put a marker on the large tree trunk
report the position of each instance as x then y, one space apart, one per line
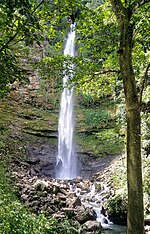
135 217
134 173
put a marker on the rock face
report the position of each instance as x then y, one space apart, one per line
42 152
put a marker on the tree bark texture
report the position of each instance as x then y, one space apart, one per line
135 217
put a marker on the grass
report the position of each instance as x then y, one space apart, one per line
104 142
96 127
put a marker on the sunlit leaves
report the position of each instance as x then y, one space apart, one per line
97 39
98 44
18 22
9 70
141 40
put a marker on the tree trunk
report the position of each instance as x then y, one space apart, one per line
135 217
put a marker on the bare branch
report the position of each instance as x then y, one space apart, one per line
37 6
143 82
93 76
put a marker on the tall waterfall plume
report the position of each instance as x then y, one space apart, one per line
66 163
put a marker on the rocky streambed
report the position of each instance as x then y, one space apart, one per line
80 201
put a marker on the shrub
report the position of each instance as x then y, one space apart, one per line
95 118
117 209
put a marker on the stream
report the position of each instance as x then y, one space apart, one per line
115 229
95 199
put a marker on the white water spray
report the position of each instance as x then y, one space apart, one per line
93 198
66 161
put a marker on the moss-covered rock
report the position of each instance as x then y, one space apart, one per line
117 210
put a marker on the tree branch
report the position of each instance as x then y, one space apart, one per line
93 76
106 72
143 82
139 3
16 33
37 6
8 42
118 9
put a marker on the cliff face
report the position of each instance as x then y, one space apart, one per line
32 111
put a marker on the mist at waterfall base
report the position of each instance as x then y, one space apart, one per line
66 162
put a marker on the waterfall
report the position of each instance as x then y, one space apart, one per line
94 198
66 161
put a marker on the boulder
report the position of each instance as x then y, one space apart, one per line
84 214
91 226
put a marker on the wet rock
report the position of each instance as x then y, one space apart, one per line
66 192
91 226
40 185
67 199
33 161
84 214
69 212
61 196
58 215
24 197
77 202
34 203
33 172
73 202
55 188
49 211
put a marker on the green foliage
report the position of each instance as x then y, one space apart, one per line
2 145
146 188
99 133
9 70
96 66
15 219
96 45
111 139
19 25
51 68
117 208
105 142
141 57
86 101
95 119
18 22
96 112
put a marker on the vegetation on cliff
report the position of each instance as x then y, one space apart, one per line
111 79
